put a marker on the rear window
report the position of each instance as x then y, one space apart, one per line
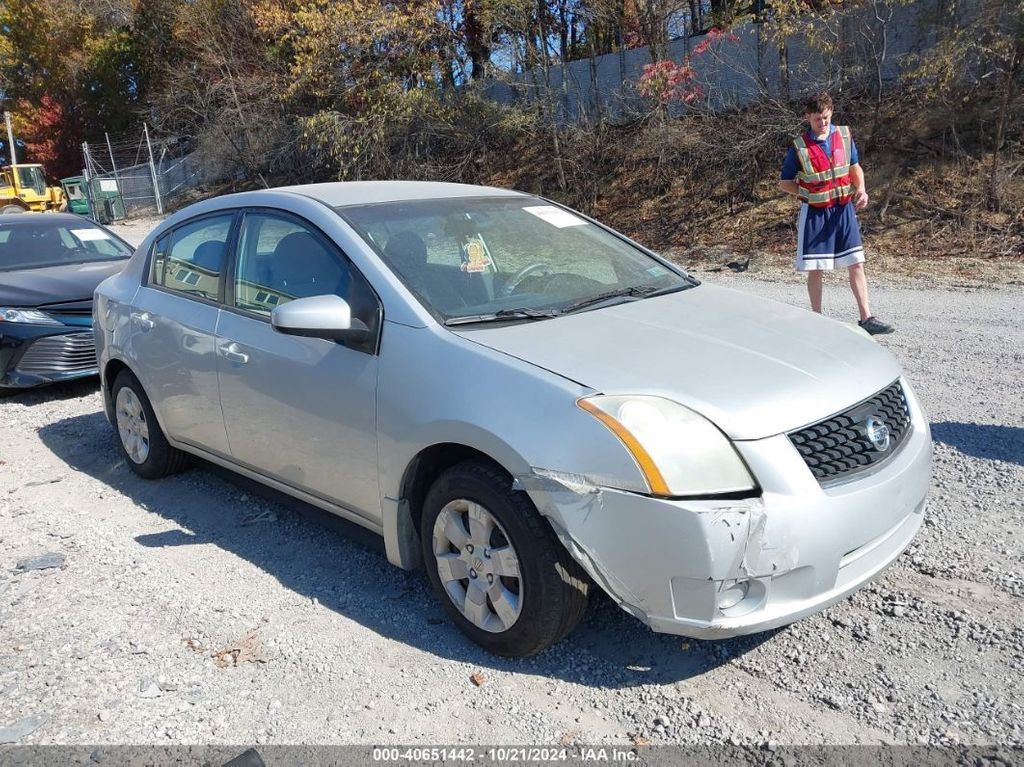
40 243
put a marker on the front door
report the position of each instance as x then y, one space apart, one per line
299 410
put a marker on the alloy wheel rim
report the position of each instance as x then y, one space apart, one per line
132 426
478 566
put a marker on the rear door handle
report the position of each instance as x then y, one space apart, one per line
232 353
144 321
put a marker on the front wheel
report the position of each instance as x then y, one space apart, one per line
501 574
142 441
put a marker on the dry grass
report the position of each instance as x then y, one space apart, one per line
687 189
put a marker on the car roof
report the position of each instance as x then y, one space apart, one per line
341 193
38 219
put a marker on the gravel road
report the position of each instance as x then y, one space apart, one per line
198 610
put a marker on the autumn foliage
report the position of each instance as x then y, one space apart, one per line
665 82
292 91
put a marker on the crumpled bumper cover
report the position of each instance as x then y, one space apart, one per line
795 550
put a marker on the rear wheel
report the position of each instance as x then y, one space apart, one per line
496 565
12 209
142 441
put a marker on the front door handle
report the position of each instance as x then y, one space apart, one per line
232 353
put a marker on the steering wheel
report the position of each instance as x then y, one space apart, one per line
513 281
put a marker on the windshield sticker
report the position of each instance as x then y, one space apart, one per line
474 256
555 216
90 234
657 271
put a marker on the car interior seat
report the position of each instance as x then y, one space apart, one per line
303 267
209 255
33 242
408 256
406 251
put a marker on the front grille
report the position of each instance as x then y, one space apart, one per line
839 447
71 353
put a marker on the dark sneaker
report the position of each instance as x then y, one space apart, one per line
876 327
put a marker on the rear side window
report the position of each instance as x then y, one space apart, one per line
190 259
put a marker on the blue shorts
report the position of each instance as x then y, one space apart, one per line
827 238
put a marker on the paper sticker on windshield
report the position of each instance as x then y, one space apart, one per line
555 216
474 256
90 234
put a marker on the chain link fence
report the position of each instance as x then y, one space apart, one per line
124 189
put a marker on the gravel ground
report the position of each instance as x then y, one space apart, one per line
197 610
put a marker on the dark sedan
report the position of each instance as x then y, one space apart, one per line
50 264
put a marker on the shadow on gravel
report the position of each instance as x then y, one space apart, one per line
992 441
344 568
38 395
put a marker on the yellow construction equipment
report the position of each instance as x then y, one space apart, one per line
23 187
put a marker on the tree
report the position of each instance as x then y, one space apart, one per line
975 71
69 69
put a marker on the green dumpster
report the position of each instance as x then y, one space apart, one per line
107 201
74 193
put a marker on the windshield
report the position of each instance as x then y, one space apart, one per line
41 243
514 257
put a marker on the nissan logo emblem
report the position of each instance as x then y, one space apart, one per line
878 433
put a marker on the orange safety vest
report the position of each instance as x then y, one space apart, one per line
824 182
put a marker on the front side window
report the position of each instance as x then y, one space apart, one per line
510 256
190 259
281 259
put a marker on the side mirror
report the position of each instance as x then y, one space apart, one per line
328 317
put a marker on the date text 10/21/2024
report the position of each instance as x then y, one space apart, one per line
504 754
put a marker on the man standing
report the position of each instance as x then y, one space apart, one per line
822 169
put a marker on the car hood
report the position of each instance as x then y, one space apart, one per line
754 367
55 284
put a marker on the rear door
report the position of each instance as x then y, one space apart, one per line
174 320
299 410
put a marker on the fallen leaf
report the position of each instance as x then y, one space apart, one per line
478 679
246 650
638 740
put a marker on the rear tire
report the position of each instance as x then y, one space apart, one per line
140 437
12 209
496 565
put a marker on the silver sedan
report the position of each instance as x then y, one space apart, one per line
520 400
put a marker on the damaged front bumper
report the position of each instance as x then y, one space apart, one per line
720 568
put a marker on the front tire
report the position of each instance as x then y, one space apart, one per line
495 564
140 437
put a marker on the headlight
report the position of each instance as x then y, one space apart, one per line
26 316
679 451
